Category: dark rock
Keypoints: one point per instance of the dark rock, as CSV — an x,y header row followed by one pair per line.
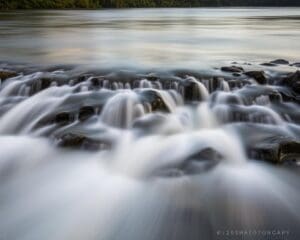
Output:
x,y
277,153
64,118
297,64
233,69
191,89
152,77
197,163
236,74
280,61
75,141
85,113
259,76
289,151
268,64
293,81
96,82
156,101
275,97
45,83
4,74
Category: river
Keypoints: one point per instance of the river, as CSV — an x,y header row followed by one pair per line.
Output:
x,y
150,37
150,124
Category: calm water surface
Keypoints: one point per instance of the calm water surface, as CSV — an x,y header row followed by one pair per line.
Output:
x,y
150,37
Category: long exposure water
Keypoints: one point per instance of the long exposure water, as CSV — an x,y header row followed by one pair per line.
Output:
x,y
150,124
151,37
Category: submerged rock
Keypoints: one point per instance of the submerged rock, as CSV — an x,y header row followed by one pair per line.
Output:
x,y
197,163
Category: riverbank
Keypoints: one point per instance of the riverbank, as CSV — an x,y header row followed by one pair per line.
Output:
x,y
97,4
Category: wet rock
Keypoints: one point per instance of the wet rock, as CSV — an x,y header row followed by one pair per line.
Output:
x,y
232,69
268,153
275,97
75,141
297,64
289,151
268,64
259,76
197,163
4,74
45,83
39,85
95,82
236,74
191,91
280,61
293,81
152,77
85,113
155,100
64,118
277,153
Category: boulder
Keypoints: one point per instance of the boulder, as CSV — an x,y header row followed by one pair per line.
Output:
x,y
268,64
293,81
64,118
76,141
4,74
232,69
280,61
279,153
297,64
86,112
259,76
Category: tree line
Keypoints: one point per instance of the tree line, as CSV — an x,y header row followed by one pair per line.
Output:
x,y
64,4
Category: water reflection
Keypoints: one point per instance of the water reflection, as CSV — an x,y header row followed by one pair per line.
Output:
x,y
154,37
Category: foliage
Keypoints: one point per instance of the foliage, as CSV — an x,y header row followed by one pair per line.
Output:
x,y
48,4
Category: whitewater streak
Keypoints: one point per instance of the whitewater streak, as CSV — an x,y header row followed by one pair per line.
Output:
x,y
128,155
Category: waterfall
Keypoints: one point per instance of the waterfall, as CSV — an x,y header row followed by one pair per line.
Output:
x,y
91,156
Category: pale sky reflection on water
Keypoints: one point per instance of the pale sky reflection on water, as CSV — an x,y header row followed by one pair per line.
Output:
x,y
151,37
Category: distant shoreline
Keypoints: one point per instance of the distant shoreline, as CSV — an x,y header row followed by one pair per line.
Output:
x,y
124,8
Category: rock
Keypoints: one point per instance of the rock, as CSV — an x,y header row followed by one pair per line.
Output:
x,y
156,101
277,153
259,76
293,81
152,77
85,113
297,64
236,74
280,61
267,153
275,97
232,69
75,141
64,118
96,82
268,64
4,74
191,90
289,151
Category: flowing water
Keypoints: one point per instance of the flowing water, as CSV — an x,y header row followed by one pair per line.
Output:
x,y
151,37
95,152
